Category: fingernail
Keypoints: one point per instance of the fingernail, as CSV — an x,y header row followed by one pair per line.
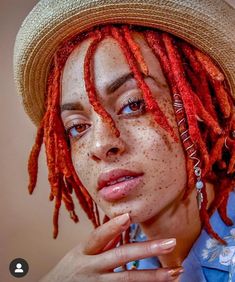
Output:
x,y
174,272
167,244
123,220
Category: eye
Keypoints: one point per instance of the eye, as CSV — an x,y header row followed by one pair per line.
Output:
x,y
77,130
132,107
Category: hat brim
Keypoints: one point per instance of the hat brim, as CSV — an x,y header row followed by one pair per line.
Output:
x,y
209,25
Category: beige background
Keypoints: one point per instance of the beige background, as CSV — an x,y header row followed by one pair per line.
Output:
x,y
26,221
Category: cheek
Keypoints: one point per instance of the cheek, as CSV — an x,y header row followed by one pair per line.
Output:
x,y
80,159
162,158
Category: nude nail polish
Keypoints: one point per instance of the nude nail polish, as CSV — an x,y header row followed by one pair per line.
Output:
x,y
175,272
167,244
123,221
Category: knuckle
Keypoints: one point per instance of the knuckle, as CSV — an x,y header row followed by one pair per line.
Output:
x,y
120,253
160,276
128,277
148,248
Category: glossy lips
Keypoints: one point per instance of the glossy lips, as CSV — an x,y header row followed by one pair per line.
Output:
x,y
118,183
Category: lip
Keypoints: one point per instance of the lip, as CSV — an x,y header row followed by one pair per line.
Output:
x,y
112,192
113,175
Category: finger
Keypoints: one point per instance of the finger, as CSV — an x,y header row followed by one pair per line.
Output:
x,y
102,235
129,252
112,244
159,275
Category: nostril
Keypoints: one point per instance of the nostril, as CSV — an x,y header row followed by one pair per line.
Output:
x,y
95,158
113,151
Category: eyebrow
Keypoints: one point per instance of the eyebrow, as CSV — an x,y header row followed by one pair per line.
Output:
x,y
119,82
123,79
71,107
110,89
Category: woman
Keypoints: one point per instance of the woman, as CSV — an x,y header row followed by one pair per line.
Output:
x,y
140,123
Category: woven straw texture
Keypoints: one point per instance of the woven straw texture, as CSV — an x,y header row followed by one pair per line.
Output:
x,y
207,24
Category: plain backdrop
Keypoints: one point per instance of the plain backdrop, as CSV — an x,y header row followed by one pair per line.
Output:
x,y
26,221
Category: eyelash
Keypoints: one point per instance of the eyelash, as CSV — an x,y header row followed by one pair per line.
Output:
x,y
130,102
133,101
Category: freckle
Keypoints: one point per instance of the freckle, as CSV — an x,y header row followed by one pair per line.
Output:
x,y
166,141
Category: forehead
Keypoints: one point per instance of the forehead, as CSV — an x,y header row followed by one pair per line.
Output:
x,y
104,67
109,63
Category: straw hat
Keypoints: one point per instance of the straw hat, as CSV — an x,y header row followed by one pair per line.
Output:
x,y
207,24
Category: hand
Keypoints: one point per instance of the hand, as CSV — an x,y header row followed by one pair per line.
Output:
x,y
95,260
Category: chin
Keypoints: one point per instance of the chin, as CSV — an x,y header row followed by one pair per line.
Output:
x,y
138,213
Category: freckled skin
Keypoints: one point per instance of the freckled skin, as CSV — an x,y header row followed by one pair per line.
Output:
x,y
143,145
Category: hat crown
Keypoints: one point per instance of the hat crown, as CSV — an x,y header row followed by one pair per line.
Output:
x,y
207,24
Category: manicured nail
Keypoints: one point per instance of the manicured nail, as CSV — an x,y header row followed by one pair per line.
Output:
x,y
175,272
123,220
167,244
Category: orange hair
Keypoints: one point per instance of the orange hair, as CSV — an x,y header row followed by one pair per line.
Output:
x,y
208,116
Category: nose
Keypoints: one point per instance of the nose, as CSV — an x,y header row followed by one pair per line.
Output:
x,y
106,145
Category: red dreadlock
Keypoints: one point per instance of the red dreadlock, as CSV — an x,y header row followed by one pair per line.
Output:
x,y
196,80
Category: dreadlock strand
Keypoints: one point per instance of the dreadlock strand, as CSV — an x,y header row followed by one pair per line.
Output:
x,y
90,211
231,167
182,85
33,158
90,87
206,117
204,155
222,209
201,85
51,137
97,215
69,204
205,219
155,42
222,97
67,169
215,153
209,66
83,201
56,215
135,50
151,104
223,187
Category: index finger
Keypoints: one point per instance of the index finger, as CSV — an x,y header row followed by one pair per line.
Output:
x,y
102,235
134,251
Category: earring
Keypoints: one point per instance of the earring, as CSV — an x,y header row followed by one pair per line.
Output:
x,y
199,186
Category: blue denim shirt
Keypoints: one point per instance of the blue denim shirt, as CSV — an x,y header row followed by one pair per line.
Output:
x,y
208,260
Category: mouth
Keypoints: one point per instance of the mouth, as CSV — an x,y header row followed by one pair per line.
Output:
x,y
118,184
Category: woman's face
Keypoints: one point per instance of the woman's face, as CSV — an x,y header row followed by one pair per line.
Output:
x,y
142,171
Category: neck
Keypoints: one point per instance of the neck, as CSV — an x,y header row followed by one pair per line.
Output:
x,y
182,221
